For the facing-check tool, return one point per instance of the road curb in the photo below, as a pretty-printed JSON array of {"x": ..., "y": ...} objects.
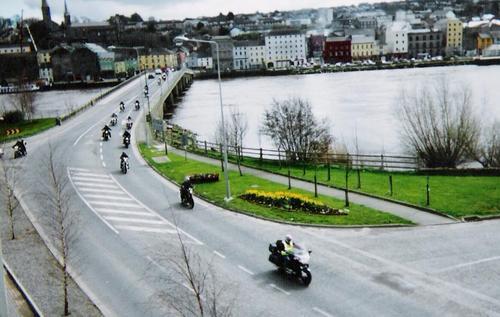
[
  {"x": 277, "y": 220},
  {"x": 31, "y": 303}
]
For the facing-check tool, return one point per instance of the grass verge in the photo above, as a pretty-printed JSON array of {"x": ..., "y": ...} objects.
[
  {"x": 178, "y": 168},
  {"x": 27, "y": 128},
  {"x": 456, "y": 196}
]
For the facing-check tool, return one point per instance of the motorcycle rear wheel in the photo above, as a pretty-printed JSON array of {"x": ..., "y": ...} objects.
[{"x": 306, "y": 277}]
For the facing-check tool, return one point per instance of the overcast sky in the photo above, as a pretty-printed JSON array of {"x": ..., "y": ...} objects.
[{"x": 99, "y": 10}]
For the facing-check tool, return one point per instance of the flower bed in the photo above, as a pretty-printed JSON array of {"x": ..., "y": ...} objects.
[
  {"x": 204, "y": 178},
  {"x": 290, "y": 201}
]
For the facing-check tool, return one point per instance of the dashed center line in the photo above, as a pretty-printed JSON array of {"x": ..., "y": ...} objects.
[
  {"x": 244, "y": 269},
  {"x": 279, "y": 289}
]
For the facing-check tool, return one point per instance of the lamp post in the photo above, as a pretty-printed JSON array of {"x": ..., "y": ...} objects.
[{"x": 179, "y": 40}]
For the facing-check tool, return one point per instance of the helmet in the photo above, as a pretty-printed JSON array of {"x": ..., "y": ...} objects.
[
  {"x": 288, "y": 238},
  {"x": 187, "y": 178}
]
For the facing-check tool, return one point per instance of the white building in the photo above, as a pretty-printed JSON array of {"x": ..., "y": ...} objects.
[
  {"x": 325, "y": 15},
  {"x": 249, "y": 55},
  {"x": 396, "y": 37},
  {"x": 285, "y": 48},
  {"x": 200, "y": 60},
  {"x": 406, "y": 16}
]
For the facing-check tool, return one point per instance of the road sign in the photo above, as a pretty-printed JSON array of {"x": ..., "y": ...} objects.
[{"x": 12, "y": 131}]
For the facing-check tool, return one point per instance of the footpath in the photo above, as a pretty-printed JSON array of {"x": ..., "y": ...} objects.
[
  {"x": 38, "y": 273},
  {"x": 417, "y": 216}
]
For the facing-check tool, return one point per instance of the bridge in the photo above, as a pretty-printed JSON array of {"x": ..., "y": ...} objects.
[{"x": 178, "y": 82}]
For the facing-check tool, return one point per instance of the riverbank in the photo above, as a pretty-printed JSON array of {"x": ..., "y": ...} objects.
[{"x": 348, "y": 68}]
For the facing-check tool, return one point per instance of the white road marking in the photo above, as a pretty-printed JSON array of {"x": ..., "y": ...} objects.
[
  {"x": 142, "y": 229},
  {"x": 108, "y": 203},
  {"x": 88, "y": 204},
  {"x": 79, "y": 169},
  {"x": 95, "y": 190},
  {"x": 156, "y": 263},
  {"x": 279, "y": 289},
  {"x": 102, "y": 157},
  {"x": 110, "y": 197},
  {"x": 100, "y": 150},
  {"x": 91, "y": 174},
  {"x": 458, "y": 266},
  {"x": 244, "y": 269},
  {"x": 103, "y": 164},
  {"x": 86, "y": 131},
  {"x": 159, "y": 216},
  {"x": 219, "y": 254},
  {"x": 94, "y": 185},
  {"x": 322, "y": 312},
  {"x": 99, "y": 180},
  {"x": 135, "y": 220},
  {"x": 125, "y": 212},
  {"x": 100, "y": 144}
]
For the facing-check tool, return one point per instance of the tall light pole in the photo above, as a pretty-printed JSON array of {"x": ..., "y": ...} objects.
[{"x": 180, "y": 39}]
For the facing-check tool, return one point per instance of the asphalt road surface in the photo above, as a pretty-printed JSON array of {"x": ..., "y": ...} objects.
[{"x": 128, "y": 229}]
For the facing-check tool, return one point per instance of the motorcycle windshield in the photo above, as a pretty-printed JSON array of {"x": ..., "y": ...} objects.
[{"x": 301, "y": 252}]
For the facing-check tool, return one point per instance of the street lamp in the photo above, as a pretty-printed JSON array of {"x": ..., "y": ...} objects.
[{"x": 178, "y": 40}]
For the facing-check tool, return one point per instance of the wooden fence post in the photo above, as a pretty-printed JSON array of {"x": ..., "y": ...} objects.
[
  {"x": 359, "y": 178},
  {"x": 221, "y": 158},
  {"x": 260, "y": 156},
  {"x": 390, "y": 185},
  {"x": 289, "y": 178},
  {"x": 347, "y": 186},
  {"x": 428, "y": 192},
  {"x": 206, "y": 149}
]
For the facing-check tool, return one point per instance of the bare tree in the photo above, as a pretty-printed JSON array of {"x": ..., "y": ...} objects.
[
  {"x": 25, "y": 102},
  {"x": 7, "y": 184},
  {"x": 205, "y": 295},
  {"x": 292, "y": 126},
  {"x": 438, "y": 124},
  {"x": 61, "y": 219},
  {"x": 487, "y": 150}
]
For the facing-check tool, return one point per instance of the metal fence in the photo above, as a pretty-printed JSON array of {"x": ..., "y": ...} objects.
[{"x": 179, "y": 137}]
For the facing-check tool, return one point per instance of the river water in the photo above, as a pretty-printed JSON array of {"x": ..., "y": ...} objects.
[{"x": 365, "y": 101}]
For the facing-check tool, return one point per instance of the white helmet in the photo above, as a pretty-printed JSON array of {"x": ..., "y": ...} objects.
[{"x": 288, "y": 238}]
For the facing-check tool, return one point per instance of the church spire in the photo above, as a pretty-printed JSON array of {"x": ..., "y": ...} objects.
[
  {"x": 65, "y": 8},
  {"x": 46, "y": 13},
  {"x": 67, "y": 17}
]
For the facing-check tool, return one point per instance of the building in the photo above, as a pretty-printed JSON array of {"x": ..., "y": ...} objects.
[
  {"x": 249, "y": 55},
  {"x": 106, "y": 60},
  {"x": 366, "y": 22},
  {"x": 225, "y": 53},
  {"x": 452, "y": 29},
  {"x": 74, "y": 63},
  {"x": 285, "y": 48},
  {"x": 483, "y": 40},
  {"x": 15, "y": 48},
  {"x": 93, "y": 32},
  {"x": 337, "y": 50},
  {"x": 492, "y": 51},
  {"x": 45, "y": 66},
  {"x": 316, "y": 46},
  {"x": 363, "y": 47},
  {"x": 126, "y": 63},
  {"x": 396, "y": 38},
  {"x": 425, "y": 41},
  {"x": 200, "y": 60},
  {"x": 157, "y": 58}
]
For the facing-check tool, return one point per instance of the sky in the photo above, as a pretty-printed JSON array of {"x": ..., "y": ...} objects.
[{"x": 99, "y": 10}]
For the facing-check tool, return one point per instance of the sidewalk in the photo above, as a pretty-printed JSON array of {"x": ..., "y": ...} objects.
[
  {"x": 417, "y": 216},
  {"x": 38, "y": 272}
]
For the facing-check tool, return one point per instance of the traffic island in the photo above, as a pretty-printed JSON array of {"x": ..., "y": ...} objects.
[{"x": 179, "y": 167}]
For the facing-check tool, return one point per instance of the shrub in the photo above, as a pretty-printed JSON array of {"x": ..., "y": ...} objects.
[
  {"x": 204, "y": 178},
  {"x": 13, "y": 116},
  {"x": 290, "y": 201}
]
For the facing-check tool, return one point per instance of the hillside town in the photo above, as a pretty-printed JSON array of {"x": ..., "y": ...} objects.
[{"x": 42, "y": 52}]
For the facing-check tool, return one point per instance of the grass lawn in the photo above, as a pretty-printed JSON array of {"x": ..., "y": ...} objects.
[
  {"x": 27, "y": 128},
  {"x": 178, "y": 168},
  {"x": 454, "y": 195}
]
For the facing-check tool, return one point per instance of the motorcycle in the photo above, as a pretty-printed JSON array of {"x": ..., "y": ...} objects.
[
  {"x": 19, "y": 151},
  {"x": 295, "y": 264},
  {"x": 106, "y": 134},
  {"x": 187, "y": 197},
  {"x": 137, "y": 106},
  {"x": 113, "y": 121},
  {"x": 1, "y": 153},
  {"x": 129, "y": 125},
  {"x": 126, "y": 141},
  {"x": 124, "y": 166}
]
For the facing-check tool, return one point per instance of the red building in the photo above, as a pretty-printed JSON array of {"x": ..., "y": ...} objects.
[{"x": 337, "y": 49}]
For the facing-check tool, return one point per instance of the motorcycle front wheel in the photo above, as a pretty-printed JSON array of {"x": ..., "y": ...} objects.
[{"x": 306, "y": 277}]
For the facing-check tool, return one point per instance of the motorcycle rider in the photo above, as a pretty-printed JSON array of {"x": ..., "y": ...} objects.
[
  {"x": 123, "y": 158},
  {"x": 186, "y": 185},
  {"x": 122, "y": 106},
  {"x": 105, "y": 130},
  {"x": 287, "y": 252},
  {"x": 21, "y": 146},
  {"x": 126, "y": 134},
  {"x": 137, "y": 105},
  {"x": 114, "y": 115}
]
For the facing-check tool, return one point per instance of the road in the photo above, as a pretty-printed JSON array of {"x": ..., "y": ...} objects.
[{"x": 127, "y": 240}]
